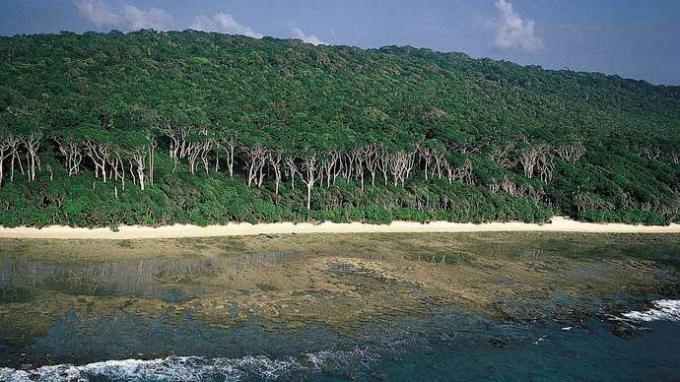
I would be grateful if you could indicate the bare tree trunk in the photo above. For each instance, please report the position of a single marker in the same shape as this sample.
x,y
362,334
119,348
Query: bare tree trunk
x,y
2,159
538,158
399,164
360,172
383,164
501,155
178,142
4,153
119,162
275,163
13,145
72,153
32,143
426,156
257,157
21,165
137,161
99,154
309,178
571,153
371,158
328,165
350,165
152,159
528,160
231,148
292,170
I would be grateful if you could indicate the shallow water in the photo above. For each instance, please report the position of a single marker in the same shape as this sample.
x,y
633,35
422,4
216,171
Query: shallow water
x,y
281,308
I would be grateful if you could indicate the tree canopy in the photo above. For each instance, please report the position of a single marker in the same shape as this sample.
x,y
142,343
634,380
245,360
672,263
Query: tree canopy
x,y
212,128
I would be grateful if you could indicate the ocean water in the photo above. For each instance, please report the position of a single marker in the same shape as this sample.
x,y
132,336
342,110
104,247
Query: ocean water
x,y
450,345
556,308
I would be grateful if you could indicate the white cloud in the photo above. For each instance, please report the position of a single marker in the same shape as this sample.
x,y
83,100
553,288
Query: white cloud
x,y
513,32
153,18
96,12
309,38
126,16
223,23
129,17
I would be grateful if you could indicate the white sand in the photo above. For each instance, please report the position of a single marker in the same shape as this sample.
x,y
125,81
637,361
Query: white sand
x,y
558,224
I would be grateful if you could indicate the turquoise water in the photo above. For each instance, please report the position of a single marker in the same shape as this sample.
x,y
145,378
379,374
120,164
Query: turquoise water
x,y
450,345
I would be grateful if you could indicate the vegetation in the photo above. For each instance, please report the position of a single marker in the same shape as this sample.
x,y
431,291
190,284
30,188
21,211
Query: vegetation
x,y
192,127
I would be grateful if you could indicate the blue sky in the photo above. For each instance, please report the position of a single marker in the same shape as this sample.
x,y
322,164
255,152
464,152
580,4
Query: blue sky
x,y
637,39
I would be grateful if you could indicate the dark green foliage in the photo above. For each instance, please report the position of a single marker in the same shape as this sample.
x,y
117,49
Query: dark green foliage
x,y
127,91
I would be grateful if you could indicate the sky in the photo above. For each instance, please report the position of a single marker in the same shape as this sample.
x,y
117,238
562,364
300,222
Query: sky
x,y
638,39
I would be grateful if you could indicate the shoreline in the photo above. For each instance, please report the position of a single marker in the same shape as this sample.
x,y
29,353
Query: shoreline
x,y
557,224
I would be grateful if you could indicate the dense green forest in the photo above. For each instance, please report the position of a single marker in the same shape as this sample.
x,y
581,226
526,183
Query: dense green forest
x,y
191,127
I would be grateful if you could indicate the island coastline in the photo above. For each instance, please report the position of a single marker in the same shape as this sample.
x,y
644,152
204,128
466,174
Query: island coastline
x,y
557,224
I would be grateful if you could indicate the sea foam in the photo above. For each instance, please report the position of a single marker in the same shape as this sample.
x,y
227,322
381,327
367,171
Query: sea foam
x,y
662,310
193,368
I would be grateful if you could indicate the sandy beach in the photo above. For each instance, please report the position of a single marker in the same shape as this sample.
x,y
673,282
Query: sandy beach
x,y
557,224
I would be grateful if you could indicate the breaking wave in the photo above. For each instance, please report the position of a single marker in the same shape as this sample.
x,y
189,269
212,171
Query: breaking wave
x,y
194,368
662,310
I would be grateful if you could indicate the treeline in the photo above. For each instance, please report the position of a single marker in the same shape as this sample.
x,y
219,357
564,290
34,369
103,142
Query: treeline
x,y
203,151
156,128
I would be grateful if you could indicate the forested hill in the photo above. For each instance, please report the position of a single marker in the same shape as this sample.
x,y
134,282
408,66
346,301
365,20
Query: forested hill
x,y
156,128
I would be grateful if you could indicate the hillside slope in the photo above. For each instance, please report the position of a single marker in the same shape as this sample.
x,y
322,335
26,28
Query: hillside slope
x,y
155,128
